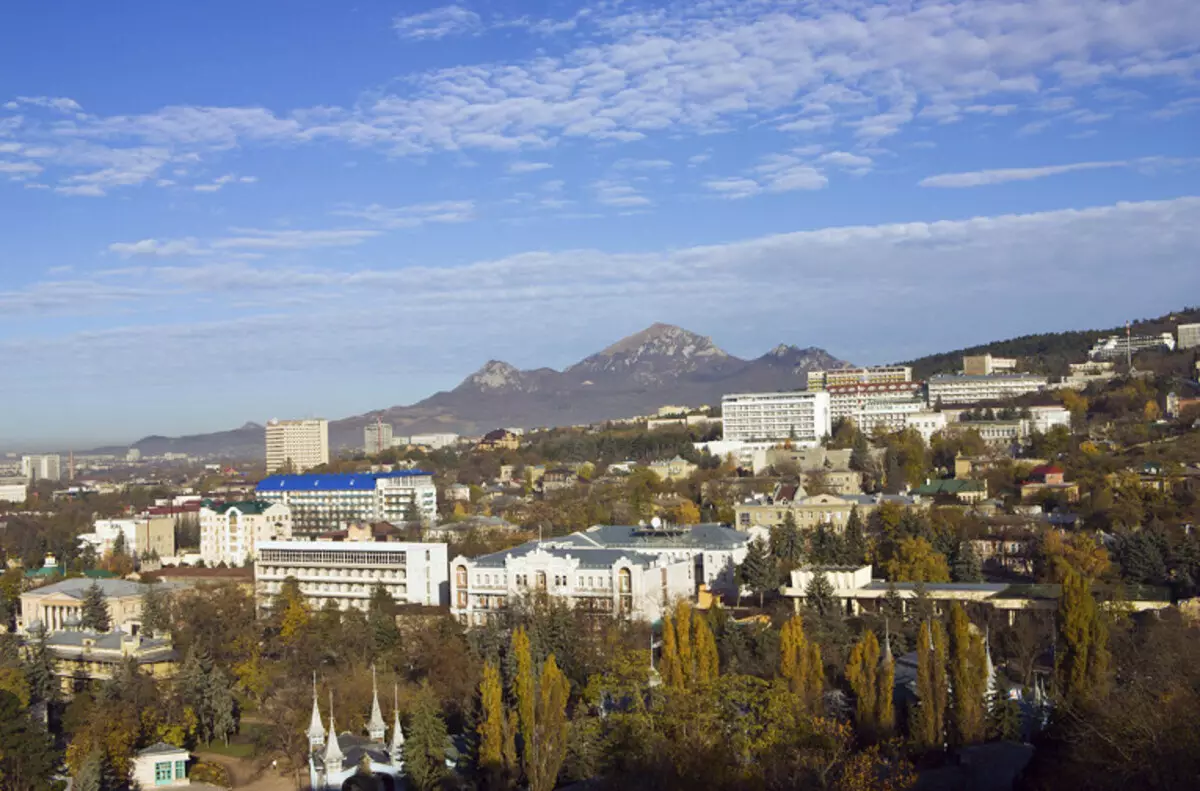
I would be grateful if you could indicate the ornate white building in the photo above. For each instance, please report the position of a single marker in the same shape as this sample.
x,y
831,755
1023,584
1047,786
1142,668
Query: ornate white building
x,y
334,758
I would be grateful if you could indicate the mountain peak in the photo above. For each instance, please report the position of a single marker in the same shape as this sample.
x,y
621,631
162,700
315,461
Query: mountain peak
x,y
664,339
495,375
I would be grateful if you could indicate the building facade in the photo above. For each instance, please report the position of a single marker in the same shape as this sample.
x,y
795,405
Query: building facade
x,y
85,659
160,765
925,423
153,535
802,417
334,759
675,469
1116,347
346,572
55,607
42,467
601,581
231,532
947,389
13,490
297,445
831,510
377,437
986,364
1189,336
840,377
324,502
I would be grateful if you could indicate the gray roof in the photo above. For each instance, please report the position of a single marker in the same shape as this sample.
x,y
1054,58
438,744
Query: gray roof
x,y
931,587
587,557
705,536
162,748
77,587
936,378
151,649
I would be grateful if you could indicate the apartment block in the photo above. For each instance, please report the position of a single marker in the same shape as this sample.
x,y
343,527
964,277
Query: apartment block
x,y
802,417
42,467
346,572
1116,347
231,533
963,389
297,445
840,377
986,364
320,503
1189,336
882,405
377,437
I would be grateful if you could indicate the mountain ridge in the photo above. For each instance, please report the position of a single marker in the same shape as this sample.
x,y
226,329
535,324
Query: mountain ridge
x,y
662,364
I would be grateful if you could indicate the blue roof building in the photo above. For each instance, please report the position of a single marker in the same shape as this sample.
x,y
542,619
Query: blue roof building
x,y
327,501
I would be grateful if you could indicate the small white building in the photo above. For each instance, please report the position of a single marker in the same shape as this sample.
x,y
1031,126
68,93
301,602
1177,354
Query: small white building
x,y
230,533
1044,418
926,423
13,490
160,765
346,572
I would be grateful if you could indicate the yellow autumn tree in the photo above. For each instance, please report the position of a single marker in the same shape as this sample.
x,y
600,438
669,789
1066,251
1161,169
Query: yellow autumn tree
x,y
861,673
669,667
800,664
885,710
707,659
683,641
491,724
686,513
916,560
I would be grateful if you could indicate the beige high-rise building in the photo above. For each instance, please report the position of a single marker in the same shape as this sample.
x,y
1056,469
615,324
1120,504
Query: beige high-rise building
x,y
304,443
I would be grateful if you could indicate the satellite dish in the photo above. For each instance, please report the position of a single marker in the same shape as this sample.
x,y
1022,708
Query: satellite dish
x,y
656,523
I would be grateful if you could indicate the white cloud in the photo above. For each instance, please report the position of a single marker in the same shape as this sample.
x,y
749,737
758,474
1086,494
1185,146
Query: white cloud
x,y
216,184
643,164
619,194
58,103
734,188
257,239
157,248
432,25
528,167
981,178
414,216
1178,107
20,168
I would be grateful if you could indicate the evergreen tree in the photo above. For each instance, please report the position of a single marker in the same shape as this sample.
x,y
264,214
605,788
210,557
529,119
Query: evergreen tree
x,y
669,666
861,673
819,595
39,670
544,757
966,566
968,680
855,543
209,692
94,613
893,604
120,546
28,759
381,616
757,571
425,744
787,545
156,611
1081,656
1004,719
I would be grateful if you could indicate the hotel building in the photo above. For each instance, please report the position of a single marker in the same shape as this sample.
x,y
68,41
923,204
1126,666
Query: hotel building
x,y
320,503
303,444
801,416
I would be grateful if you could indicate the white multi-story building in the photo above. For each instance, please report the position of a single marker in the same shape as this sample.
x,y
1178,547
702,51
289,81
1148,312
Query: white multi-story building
x,y
303,444
377,437
926,423
603,581
962,389
143,534
1044,418
42,467
802,417
1118,346
346,572
1083,374
883,405
840,377
231,533
1189,336
326,502
13,490
433,441
986,364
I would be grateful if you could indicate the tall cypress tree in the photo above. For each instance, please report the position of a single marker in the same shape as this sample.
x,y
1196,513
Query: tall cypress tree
x,y
929,725
885,711
683,641
491,726
669,666
707,659
861,673
968,680
1082,657
425,747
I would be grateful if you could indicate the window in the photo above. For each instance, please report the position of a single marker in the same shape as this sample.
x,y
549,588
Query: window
x,y
162,772
180,770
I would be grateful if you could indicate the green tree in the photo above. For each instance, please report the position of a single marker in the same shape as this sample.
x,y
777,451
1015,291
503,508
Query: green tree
x,y
381,617
787,545
757,571
94,613
968,680
966,567
916,560
156,611
39,669
855,542
818,594
28,759
209,692
120,546
1004,719
1081,656
425,744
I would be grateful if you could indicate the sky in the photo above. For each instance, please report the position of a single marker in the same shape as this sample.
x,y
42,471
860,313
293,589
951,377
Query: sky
x,y
227,211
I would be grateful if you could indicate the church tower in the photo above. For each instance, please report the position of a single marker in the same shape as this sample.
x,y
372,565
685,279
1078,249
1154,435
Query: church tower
x,y
396,750
376,728
333,751
316,730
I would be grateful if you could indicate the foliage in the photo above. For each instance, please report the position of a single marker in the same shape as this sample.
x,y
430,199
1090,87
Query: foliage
x,y
156,611
800,664
968,680
490,731
917,561
544,755
1082,657
819,596
757,571
929,722
28,759
425,745
94,613
861,673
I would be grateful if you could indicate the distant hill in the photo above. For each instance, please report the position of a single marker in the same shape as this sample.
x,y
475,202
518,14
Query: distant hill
x,y
662,364
1048,352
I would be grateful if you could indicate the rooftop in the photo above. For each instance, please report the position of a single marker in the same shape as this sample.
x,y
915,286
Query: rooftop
x,y
710,535
331,481
77,587
936,378
588,557
245,507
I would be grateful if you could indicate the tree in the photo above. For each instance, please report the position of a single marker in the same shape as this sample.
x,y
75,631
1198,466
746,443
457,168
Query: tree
x,y
929,722
861,673
687,513
490,729
120,546
381,616
208,691
295,613
916,560
156,611
94,613
425,745
683,641
708,663
800,664
91,775
1081,658
818,594
39,669
968,680
28,759
967,567
855,543
544,756
786,544
757,572
885,711
669,666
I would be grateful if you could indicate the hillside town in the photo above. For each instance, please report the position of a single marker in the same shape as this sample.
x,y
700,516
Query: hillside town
x,y
863,549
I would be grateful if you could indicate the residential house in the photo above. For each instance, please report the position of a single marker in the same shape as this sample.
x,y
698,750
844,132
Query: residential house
x,y
941,489
1049,478
830,510
675,469
499,439
559,478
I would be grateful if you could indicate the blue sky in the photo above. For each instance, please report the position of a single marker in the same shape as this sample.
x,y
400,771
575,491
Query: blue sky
x,y
227,211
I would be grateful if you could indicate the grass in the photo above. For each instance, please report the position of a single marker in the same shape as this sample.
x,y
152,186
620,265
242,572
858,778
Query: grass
x,y
242,745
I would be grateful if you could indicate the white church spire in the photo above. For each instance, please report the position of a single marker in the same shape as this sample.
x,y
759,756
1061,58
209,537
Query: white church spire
x,y
992,687
316,730
376,727
333,750
397,747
